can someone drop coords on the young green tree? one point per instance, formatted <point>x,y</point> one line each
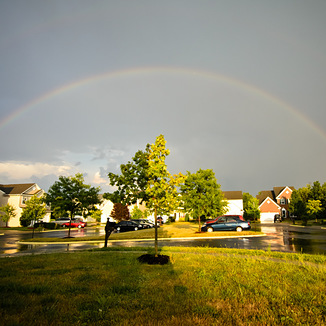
<point>161,191</point>
<point>313,208</point>
<point>35,209</point>
<point>8,212</point>
<point>136,213</point>
<point>250,207</point>
<point>202,195</point>
<point>96,214</point>
<point>71,195</point>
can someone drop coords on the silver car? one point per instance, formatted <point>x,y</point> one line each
<point>62,220</point>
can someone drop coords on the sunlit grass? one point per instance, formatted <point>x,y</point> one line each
<point>201,287</point>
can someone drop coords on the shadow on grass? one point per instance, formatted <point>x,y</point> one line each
<point>151,259</point>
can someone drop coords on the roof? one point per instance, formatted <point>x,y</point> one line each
<point>279,190</point>
<point>272,194</point>
<point>16,189</point>
<point>232,194</point>
<point>264,194</point>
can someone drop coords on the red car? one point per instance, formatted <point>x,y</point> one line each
<point>74,224</point>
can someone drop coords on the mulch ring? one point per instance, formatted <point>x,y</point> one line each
<point>154,260</point>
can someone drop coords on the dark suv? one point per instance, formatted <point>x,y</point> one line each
<point>226,223</point>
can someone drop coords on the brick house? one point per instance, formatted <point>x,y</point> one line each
<point>273,202</point>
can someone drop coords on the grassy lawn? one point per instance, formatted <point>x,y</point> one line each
<point>200,286</point>
<point>174,230</point>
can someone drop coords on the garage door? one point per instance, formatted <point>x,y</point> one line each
<point>267,217</point>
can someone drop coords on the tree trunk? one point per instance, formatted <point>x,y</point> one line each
<point>69,225</point>
<point>155,242</point>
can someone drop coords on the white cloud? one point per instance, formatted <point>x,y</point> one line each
<point>24,170</point>
<point>100,180</point>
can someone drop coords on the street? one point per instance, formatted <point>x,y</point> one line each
<point>279,237</point>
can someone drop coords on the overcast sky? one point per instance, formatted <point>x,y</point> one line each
<point>234,86</point>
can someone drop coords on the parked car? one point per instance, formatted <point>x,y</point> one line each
<point>144,223</point>
<point>240,217</point>
<point>277,218</point>
<point>125,226</point>
<point>62,220</point>
<point>74,224</point>
<point>226,223</point>
<point>79,219</point>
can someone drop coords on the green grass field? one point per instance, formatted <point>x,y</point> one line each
<point>200,286</point>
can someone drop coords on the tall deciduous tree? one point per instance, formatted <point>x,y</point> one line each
<point>132,182</point>
<point>202,195</point>
<point>250,207</point>
<point>161,191</point>
<point>71,195</point>
<point>8,212</point>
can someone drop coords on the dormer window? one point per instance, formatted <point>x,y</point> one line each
<point>283,201</point>
<point>24,200</point>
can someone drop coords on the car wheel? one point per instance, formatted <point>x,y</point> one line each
<point>63,226</point>
<point>210,229</point>
<point>238,229</point>
<point>79,226</point>
<point>136,228</point>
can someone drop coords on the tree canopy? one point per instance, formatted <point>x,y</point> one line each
<point>120,212</point>
<point>132,182</point>
<point>250,207</point>
<point>8,212</point>
<point>202,195</point>
<point>71,195</point>
<point>35,209</point>
<point>161,188</point>
<point>309,202</point>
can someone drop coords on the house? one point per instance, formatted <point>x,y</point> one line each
<point>106,207</point>
<point>235,202</point>
<point>234,198</point>
<point>17,195</point>
<point>273,202</point>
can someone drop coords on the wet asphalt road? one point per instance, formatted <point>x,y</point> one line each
<point>279,237</point>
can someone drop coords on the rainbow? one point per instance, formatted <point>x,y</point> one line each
<point>150,70</point>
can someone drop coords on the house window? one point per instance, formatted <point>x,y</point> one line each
<point>283,201</point>
<point>24,200</point>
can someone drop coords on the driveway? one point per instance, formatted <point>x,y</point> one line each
<point>279,237</point>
